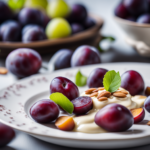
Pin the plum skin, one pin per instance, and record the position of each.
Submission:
(133, 82)
(144, 18)
(6, 134)
(85, 55)
(95, 79)
(147, 104)
(64, 86)
(23, 62)
(114, 118)
(62, 59)
(82, 105)
(44, 111)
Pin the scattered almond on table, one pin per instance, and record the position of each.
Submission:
(3, 70)
(148, 123)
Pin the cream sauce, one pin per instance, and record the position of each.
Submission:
(86, 123)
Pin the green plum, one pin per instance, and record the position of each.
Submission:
(41, 4)
(58, 28)
(58, 8)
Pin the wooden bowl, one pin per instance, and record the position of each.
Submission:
(88, 36)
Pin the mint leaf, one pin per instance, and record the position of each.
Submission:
(112, 81)
(80, 80)
(16, 4)
(62, 101)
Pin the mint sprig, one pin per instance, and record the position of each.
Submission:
(62, 101)
(112, 81)
(80, 80)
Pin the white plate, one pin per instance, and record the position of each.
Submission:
(16, 100)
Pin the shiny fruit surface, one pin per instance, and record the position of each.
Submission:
(95, 79)
(114, 118)
(23, 62)
(10, 31)
(58, 8)
(82, 105)
(33, 34)
(29, 16)
(133, 82)
(6, 134)
(64, 86)
(62, 59)
(85, 55)
(144, 18)
(44, 111)
(136, 7)
(88, 23)
(58, 28)
(147, 104)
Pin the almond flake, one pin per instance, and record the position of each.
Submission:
(104, 94)
(119, 94)
(89, 91)
(102, 99)
(94, 94)
(3, 70)
(101, 88)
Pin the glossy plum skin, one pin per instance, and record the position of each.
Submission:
(133, 82)
(64, 86)
(121, 11)
(34, 34)
(82, 105)
(147, 91)
(10, 31)
(6, 134)
(78, 14)
(88, 23)
(144, 18)
(76, 28)
(62, 59)
(29, 26)
(114, 118)
(131, 18)
(85, 55)
(5, 12)
(147, 104)
(45, 20)
(44, 111)
(136, 7)
(23, 62)
(95, 79)
(29, 16)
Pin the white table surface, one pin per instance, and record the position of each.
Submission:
(119, 52)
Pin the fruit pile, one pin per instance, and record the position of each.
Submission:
(39, 20)
(24, 62)
(134, 10)
(112, 117)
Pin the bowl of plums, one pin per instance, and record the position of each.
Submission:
(133, 16)
(46, 25)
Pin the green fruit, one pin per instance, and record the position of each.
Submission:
(58, 28)
(58, 8)
(16, 4)
(41, 4)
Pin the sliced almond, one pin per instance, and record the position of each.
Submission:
(104, 94)
(3, 70)
(101, 88)
(119, 94)
(102, 99)
(95, 91)
(94, 94)
(89, 91)
(124, 91)
(148, 123)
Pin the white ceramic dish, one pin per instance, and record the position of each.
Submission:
(16, 100)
